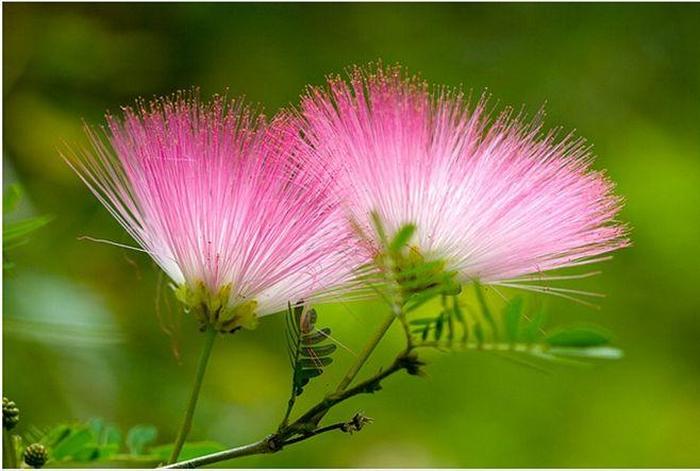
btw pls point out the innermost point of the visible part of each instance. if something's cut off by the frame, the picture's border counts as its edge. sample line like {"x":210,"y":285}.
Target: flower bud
{"x":10,"y":414}
{"x":35,"y":455}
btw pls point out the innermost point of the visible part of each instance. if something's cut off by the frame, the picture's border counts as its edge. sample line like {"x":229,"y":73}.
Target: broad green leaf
{"x":189,"y":450}
{"x":78,"y":441}
{"x":105,"y":451}
{"x":139,"y":437}
{"x":578,"y":337}
{"x":89,"y":452}
{"x":57,"y":434}
{"x":402,"y":237}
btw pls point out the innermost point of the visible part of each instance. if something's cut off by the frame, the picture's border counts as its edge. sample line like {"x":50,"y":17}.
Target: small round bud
{"x":35,"y":455}
{"x":10,"y":414}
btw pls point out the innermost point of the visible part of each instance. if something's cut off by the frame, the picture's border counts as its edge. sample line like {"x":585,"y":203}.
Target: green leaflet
{"x":309,"y":348}
{"x":578,"y":337}
{"x":518,"y":334}
{"x":512,"y":312}
{"x":139,"y":437}
{"x":99,"y":444}
{"x":402,"y":237}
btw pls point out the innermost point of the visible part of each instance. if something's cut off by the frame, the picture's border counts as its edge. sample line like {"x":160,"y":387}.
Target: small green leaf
{"x":307,"y":374}
{"x":532,"y":330}
{"x":320,"y":350}
{"x":422,"y":321}
{"x":479,"y":333}
{"x":450,"y":327}
{"x":485,"y":310}
{"x":317,"y":337}
{"x":78,"y":440}
{"x":402,"y":237}
{"x":139,"y":437}
{"x":107,"y":436}
{"x":315,"y":362}
{"x":439,"y":323}
{"x":578,"y":337}
{"x":512,"y":313}
{"x":456,"y":309}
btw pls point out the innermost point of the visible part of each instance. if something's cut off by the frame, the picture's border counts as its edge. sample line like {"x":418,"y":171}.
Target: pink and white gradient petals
{"x":217,"y":197}
{"x":495,"y":198}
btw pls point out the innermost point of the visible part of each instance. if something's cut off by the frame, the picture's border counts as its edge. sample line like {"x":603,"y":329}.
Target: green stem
{"x":366,"y":352}
{"x":304,"y":427}
{"x":9,"y":456}
{"x":189,"y":413}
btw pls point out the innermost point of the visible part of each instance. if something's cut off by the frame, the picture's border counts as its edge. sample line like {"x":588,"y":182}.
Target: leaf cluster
{"x":511,"y":331}
{"x":418,"y":277}
{"x":308,"y":346}
{"x":100,"y":444}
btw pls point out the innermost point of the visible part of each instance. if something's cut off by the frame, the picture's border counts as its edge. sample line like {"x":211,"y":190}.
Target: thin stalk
{"x":300,"y":430}
{"x":396,"y":311}
{"x":209,"y":338}
{"x":9,"y":457}
{"x":366,"y":352}
{"x":256,"y":448}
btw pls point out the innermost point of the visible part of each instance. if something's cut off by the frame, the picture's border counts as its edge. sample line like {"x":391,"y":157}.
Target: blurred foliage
{"x":100,"y":444}
{"x":15,"y":233}
{"x":80,"y":330}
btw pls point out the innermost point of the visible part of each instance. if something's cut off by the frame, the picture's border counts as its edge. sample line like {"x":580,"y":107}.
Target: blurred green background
{"x":81,"y":337}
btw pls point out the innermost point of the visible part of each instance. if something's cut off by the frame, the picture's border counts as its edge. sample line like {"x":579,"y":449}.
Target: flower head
{"x":222,"y":202}
{"x":495,"y":199}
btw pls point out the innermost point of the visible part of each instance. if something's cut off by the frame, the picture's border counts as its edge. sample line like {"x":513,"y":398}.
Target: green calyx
{"x":216,"y":309}
{"x":10,"y":414}
{"x":416,"y":274}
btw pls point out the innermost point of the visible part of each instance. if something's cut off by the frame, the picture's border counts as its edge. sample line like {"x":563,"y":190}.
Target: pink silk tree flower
{"x":496,"y":199}
{"x":223,"y":203}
